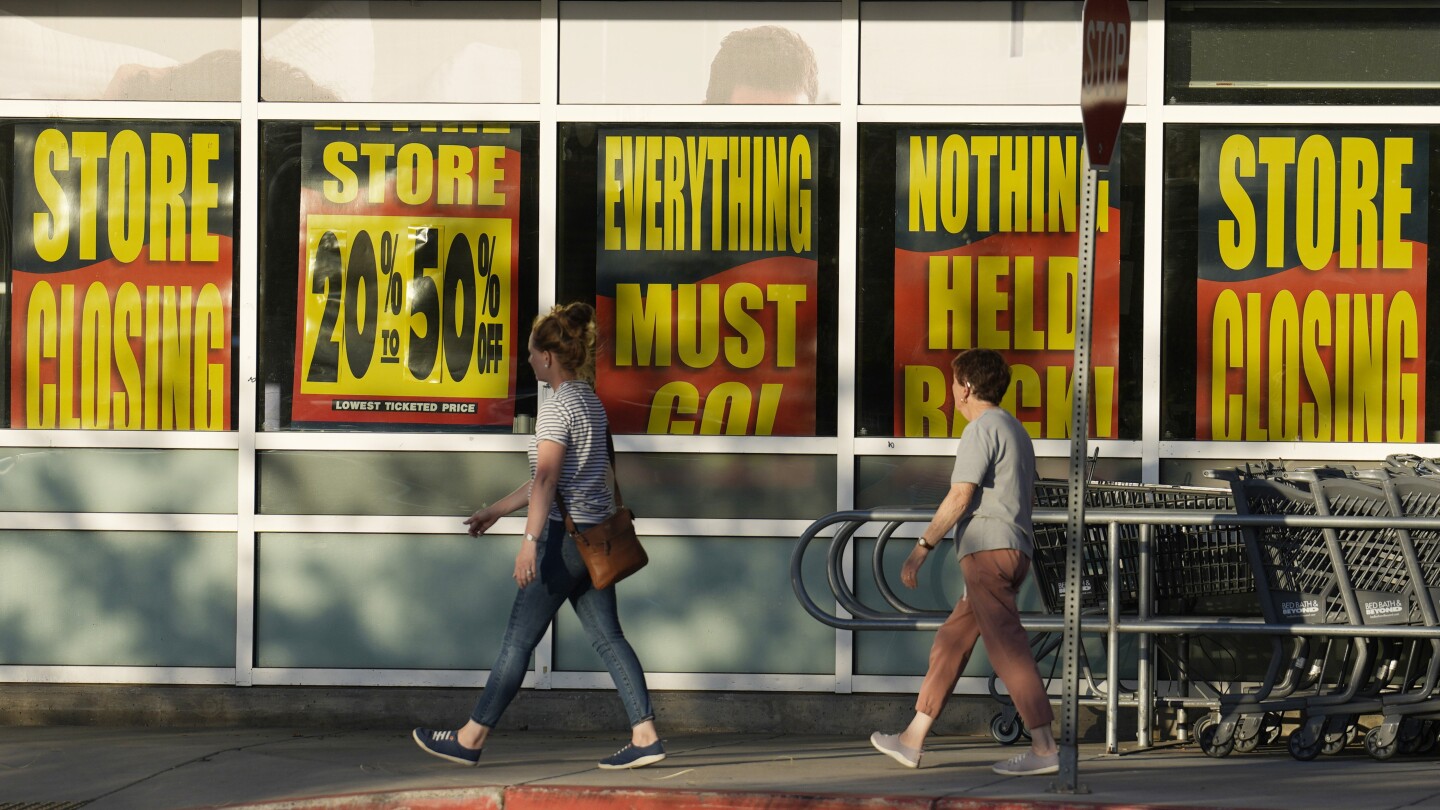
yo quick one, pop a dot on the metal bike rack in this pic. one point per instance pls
(851, 614)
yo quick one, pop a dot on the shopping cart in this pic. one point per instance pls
(1409, 713)
(1189, 562)
(1319, 576)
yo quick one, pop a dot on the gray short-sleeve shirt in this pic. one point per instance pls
(996, 455)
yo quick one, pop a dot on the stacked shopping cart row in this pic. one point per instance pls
(1190, 562)
(1339, 576)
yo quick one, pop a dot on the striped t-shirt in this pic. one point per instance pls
(574, 417)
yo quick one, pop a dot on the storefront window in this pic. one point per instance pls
(1315, 52)
(121, 274)
(995, 52)
(688, 52)
(451, 51)
(1296, 292)
(398, 277)
(969, 238)
(143, 50)
(710, 254)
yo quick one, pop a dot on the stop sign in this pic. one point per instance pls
(1104, 75)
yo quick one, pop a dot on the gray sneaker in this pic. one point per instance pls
(1028, 763)
(890, 745)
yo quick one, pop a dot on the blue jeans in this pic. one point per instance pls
(563, 576)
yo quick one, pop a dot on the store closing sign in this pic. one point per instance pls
(1312, 285)
(122, 275)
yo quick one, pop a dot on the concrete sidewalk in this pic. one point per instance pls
(154, 769)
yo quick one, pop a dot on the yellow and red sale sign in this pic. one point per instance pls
(986, 256)
(121, 276)
(707, 280)
(409, 242)
(1311, 285)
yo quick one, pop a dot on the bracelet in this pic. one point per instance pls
(927, 546)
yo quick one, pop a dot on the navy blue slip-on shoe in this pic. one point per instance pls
(444, 745)
(632, 757)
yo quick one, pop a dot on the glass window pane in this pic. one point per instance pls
(147, 50)
(1314, 52)
(360, 601)
(65, 479)
(307, 482)
(945, 265)
(470, 51)
(140, 599)
(916, 481)
(692, 52)
(1028, 53)
(728, 486)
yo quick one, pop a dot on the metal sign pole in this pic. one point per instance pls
(1079, 432)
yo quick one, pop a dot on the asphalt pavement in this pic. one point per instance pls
(58, 768)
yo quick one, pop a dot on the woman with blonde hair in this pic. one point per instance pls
(568, 455)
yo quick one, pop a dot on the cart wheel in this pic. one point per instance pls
(1377, 748)
(1205, 730)
(1411, 736)
(1006, 730)
(1248, 733)
(1301, 751)
(1270, 731)
(1333, 743)
(1204, 722)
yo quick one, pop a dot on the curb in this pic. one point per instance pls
(525, 797)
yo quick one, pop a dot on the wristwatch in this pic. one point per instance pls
(531, 537)
(924, 544)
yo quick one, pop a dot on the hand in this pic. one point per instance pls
(910, 571)
(525, 564)
(481, 521)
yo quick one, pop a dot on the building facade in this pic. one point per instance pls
(272, 266)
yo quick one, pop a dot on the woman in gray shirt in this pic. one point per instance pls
(991, 492)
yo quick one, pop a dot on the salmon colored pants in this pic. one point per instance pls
(987, 611)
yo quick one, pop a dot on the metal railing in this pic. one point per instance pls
(852, 614)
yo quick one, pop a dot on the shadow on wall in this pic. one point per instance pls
(109, 598)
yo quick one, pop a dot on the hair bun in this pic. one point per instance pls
(577, 317)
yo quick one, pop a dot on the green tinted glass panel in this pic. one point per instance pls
(308, 482)
(1315, 52)
(149, 599)
(66, 479)
(366, 601)
(714, 604)
(705, 485)
(924, 480)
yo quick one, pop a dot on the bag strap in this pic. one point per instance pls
(570, 527)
